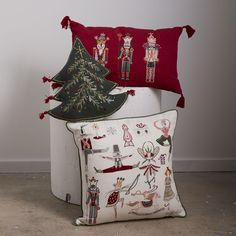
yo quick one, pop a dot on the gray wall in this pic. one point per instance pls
(33, 45)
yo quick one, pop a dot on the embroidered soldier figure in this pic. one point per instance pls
(126, 56)
(85, 141)
(92, 201)
(117, 159)
(168, 193)
(151, 58)
(100, 52)
(164, 127)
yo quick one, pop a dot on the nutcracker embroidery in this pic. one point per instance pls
(86, 145)
(164, 126)
(168, 193)
(85, 141)
(117, 158)
(126, 57)
(127, 137)
(92, 201)
(151, 57)
(149, 204)
(142, 129)
(100, 52)
(148, 152)
(115, 195)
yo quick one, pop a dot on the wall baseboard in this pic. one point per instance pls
(178, 166)
(198, 165)
(24, 166)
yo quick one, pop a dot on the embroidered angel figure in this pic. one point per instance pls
(148, 152)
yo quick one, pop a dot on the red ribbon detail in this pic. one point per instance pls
(56, 85)
(181, 102)
(131, 92)
(65, 23)
(190, 31)
(46, 100)
(46, 79)
(42, 115)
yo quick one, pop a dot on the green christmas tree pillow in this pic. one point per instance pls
(84, 92)
(126, 168)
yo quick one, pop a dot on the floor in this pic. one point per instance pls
(27, 208)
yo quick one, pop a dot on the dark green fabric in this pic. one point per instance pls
(85, 91)
(162, 139)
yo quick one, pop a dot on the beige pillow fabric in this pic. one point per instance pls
(126, 168)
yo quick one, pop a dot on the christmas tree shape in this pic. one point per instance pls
(85, 93)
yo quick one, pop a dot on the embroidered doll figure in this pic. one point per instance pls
(117, 159)
(115, 195)
(126, 55)
(164, 127)
(151, 58)
(92, 201)
(100, 52)
(148, 152)
(168, 193)
(127, 136)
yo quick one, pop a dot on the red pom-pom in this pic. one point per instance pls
(42, 115)
(131, 92)
(56, 85)
(65, 23)
(190, 31)
(46, 79)
(46, 100)
(181, 102)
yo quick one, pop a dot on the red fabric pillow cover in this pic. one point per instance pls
(135, 57)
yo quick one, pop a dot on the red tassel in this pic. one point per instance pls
(46, 100)
(65, 23)
(42, 115)
(46, 79)
(190, 31)
(131, 92)
(56, 85)
(181, 102)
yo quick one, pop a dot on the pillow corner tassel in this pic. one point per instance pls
(46, 79)
(55, 85)
(65, 23)
(181, 101)
(42, 115)
(131, 92)
(189, 30)
(46, 100)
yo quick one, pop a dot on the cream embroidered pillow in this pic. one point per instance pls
(126, 168)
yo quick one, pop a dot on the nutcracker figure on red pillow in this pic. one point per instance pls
(126, 56)
(100, 52)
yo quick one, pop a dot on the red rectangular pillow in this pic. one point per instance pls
(135, 57)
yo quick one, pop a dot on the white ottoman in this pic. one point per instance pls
(65, 170)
